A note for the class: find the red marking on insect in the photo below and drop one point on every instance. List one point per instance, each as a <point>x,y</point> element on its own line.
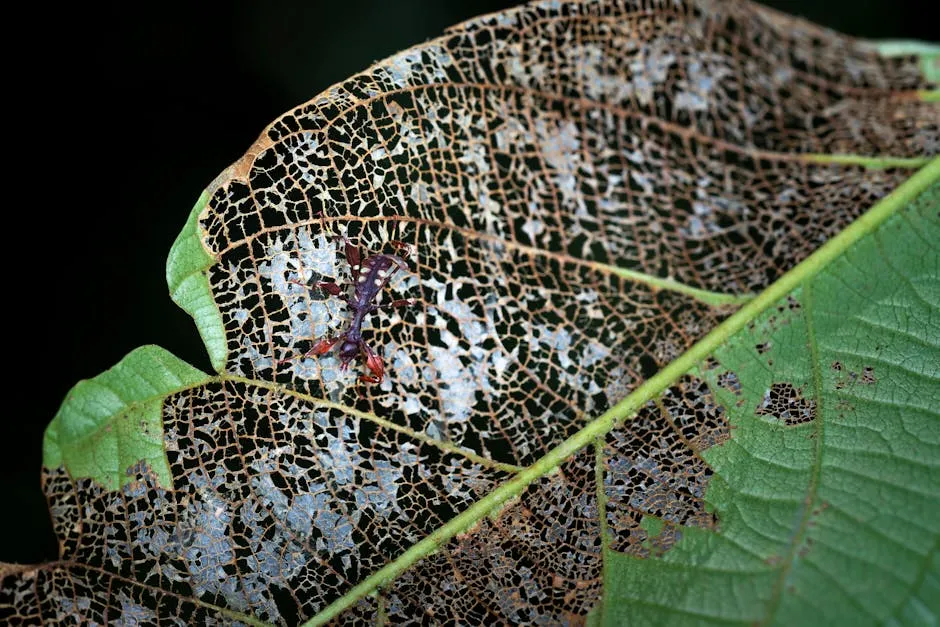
<point>369,276</point>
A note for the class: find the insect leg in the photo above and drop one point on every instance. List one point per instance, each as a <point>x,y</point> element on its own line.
<point>328,286</point>
<point>405,302</point>
<point>373,362</point>
<point>352,253</point>
<point>403,248</point>
<point>321,347</point>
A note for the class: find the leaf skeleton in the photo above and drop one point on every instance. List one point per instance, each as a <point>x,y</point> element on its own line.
<point>369,277</point>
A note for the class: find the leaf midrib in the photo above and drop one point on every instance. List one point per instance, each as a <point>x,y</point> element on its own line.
<point>648,390</point>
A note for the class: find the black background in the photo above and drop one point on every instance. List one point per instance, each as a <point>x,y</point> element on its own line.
<point>117,117</point>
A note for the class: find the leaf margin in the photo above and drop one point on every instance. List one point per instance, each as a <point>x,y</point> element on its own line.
<point>187,267</point>
<point>135,387</point>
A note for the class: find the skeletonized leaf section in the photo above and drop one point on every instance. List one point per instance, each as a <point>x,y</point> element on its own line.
<point>522,157</point>
<point>540,560</point>
<point>714,512</point>
<point>506,352</point>
<point>278,506</point>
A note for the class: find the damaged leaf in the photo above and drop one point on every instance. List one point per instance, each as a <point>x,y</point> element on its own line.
<point>640,235</point>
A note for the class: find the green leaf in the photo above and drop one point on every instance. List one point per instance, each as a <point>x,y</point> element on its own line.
<point>186,275</point>
<point>827,493</point>
<point>612,218</point>
<point>111,423</point>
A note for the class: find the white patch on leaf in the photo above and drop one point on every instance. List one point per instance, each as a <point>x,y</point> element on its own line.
<point>457,383</point>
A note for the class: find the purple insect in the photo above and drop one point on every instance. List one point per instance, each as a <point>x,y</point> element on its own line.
<point>369,276</point>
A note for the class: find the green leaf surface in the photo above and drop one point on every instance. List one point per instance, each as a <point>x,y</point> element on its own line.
<point>111,423</point>
<point>827,493</point>
<point>659,345</point>
<point>186,268</point>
